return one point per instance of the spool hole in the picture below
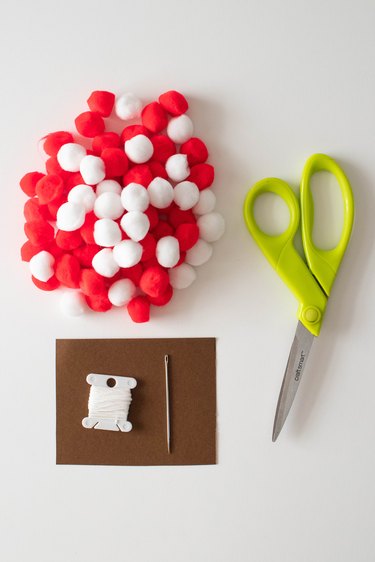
(111, 382)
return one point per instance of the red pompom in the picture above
(68, 240)
(174, 102)
(154, 117)
(116, 162)
(153, 216)
(54, 142)
(49, 285)
(28, 250)
(73, 180)
(162, 229)
(164, 147)
(195, 150)
(176, 216)
(163, 299)
(91, 283)
(39, 232)
(154, 281)
(29, 181)
(87, 229)
(139, 309)
(68, 271)
(157, 170)
(202, 175)
(33, 211)
(101, 102)
(150, 263)
(54, 249)
(106, 140)
(98, 303)
(49, 188)
(149, 247)
(84, 254)
(133, 273)
(53, 166)
(187, 235)
(140, 173)
(133, 130)
(89, 124)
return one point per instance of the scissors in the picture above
(311, 281)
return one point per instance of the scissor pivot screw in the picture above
(312, 315)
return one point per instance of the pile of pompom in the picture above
(125, 219)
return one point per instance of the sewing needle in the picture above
(166, 359)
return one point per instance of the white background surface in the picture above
(269, 83)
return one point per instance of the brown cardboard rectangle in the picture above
(192, 372)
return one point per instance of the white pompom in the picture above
(111, 186)
(41, 266)
(139, 149)
(168, 251)
(211, 227)
(128, 106)
(73, 303)
(127, 253)
(107, 233)
(104, 264)
(70, 156)
(206, 203)
(134, 197)
(199, 254)
(186, 195)
(70, 216)
(177, 167)
(135, 225)
(182, 276)
(161, 193)
(180, 129)
(92, 169)
(108, 206)
(82, 195)
(121, 292)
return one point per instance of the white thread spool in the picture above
(109, 402)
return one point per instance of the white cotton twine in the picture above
(109, 403)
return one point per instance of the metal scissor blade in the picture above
(298, 355)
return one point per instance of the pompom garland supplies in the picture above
(121, 219)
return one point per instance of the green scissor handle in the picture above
(324, 263)
(280, 250)
(282, 255)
